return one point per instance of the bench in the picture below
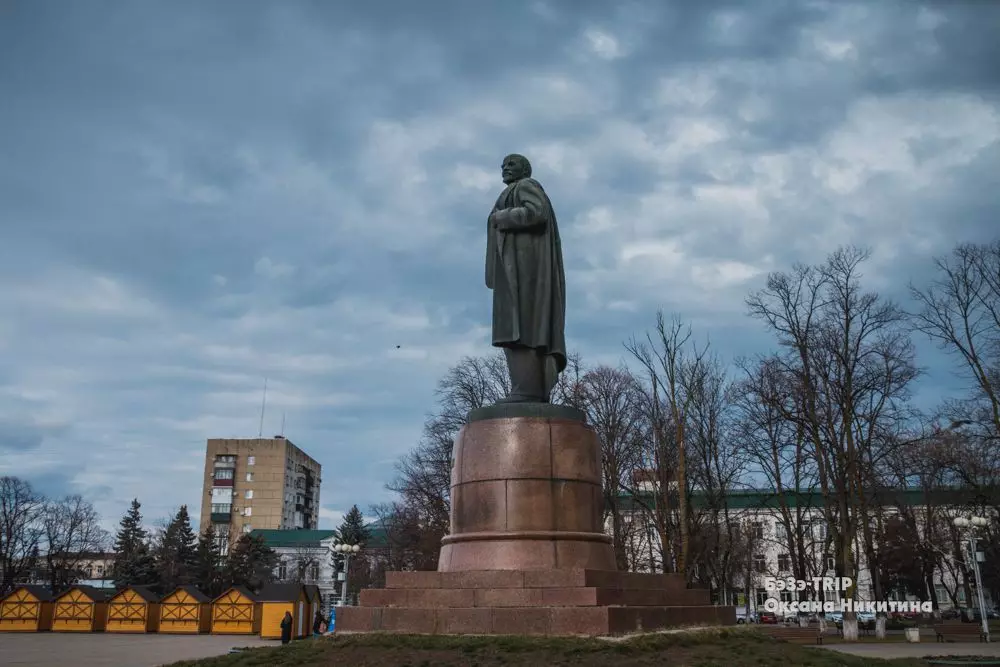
(793, 634)
(958, 631)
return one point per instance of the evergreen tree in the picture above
(207, 570)
(251, 563)
(353, 529)
(133, 563)
(175, 554)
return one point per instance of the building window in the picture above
(251, 460)
(282, 570)
(780, 532)
(224, 473)
(249, 476)
(762, 596)
(757, 530)
(786, 596)
(819, 530)
(247, 511)
(221, 508)
(784, 563)
(247, 528)
(831, 563)
(248, 494)
(314, 572)
(759, 563)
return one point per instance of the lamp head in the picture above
(979, 521)
(960, 522)
(356, 548)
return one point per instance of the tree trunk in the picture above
(682, 500)
(850, 628)
(880, 626)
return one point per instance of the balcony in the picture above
(221, 513)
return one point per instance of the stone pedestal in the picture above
(527, 553)
(526, 492)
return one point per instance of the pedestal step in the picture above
(568, 578)
(602, 620)
(582, 596)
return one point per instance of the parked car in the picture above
(743, 616)
(990, 614)
(768, 617)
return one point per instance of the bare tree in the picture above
(410, 545)
(849, 359)
(717, 462)
(779, 453)
(613, 401)
(960, 310)
(669, 359)
(72, 533)
(20, 531)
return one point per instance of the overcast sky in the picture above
(198, 195)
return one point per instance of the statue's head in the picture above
(515, 167)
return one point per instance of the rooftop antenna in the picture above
(263, 404)
(282, 424)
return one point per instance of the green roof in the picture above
(813, 498)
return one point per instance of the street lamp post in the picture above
(968, 526)
(346, 550)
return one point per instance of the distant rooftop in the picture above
(303, 538)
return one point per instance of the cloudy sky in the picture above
(198, 195)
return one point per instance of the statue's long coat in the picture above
(524, 268)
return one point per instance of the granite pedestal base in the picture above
(527, 553)
(530, 602)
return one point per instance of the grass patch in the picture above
(727, 647)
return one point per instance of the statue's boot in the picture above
(530, 372)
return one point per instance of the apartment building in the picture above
(258, 483)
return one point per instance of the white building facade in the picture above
(766, 530)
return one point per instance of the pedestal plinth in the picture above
(527, 553)
(526, 492)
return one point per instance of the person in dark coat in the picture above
(318, 622)
(286, 628)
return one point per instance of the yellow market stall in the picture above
(185, 610)
(26, 609)
(275, 600)
(236, 612)
(134, 609)
(80, 609)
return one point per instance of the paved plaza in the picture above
(54, 649)
(888, 650)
